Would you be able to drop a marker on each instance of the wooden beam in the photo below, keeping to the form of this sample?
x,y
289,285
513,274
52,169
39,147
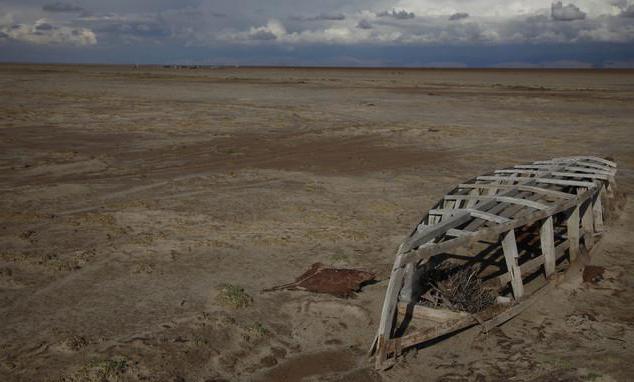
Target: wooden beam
x,y
572,225
473,212
509,246
387,313
560,182
603,161
521,187
597,210
580,176
531,266
458,232
434,314
428,251
587,222
577,163
502,199
547,239
591,170
423,236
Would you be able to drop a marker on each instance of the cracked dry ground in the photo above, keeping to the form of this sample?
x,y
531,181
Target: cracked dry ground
x,y
142,213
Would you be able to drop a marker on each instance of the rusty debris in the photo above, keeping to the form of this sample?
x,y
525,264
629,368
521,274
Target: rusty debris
x,y
335,281
593,274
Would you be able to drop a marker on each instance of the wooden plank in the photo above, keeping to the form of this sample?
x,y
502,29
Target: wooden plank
x,y
560,182
580,176
424,335
591,170
502,199
434,314
423,236
586,174
547,240
597,211
509,246
531,266
458,232
587,223
488,232
546,167
488,217
578,163
471,203
387,313
603,161
572,225
519,171
521,187
515,309
473,212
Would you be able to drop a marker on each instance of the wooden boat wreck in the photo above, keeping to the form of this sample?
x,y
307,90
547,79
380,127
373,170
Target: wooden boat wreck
x,y
509,233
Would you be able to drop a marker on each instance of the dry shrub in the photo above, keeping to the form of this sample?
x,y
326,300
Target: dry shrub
x,y
461,290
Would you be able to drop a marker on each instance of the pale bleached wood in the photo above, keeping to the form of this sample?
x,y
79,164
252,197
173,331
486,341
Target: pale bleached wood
x,y
433,314
521,187
423,236
431,238
472,202
580,176
547,240
597,210
492,231
458,232
587,223
603,161
591,175
500,198
387,313
546,167
509,246
577,163
531,266
572,225
473,212
560,182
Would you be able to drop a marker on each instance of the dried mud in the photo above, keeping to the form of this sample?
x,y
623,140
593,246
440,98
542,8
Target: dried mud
x,y
128,196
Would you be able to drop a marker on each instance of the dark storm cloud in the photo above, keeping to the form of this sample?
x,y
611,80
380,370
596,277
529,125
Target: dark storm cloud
x,y
134,28
397,14
61,7
627,12
458,16
568,12
321,17
364,24
44,27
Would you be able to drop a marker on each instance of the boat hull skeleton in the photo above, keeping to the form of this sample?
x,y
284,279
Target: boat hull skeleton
x,y
519,226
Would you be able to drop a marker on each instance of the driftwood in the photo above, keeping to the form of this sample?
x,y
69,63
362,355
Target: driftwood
x,y
521,226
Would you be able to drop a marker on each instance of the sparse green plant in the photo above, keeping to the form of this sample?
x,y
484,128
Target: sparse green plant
x,y
592,376
102,370
233,296
340,258
255,331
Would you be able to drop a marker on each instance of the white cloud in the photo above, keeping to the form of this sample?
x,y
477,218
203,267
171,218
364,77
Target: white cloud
x,y
44,32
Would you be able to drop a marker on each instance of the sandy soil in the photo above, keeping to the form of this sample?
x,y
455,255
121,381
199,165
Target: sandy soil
x,y
130,198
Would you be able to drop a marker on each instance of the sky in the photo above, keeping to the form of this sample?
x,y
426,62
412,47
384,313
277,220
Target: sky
x,y
412,33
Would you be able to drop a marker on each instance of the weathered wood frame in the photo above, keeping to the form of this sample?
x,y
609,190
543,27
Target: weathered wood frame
x,y
570,189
